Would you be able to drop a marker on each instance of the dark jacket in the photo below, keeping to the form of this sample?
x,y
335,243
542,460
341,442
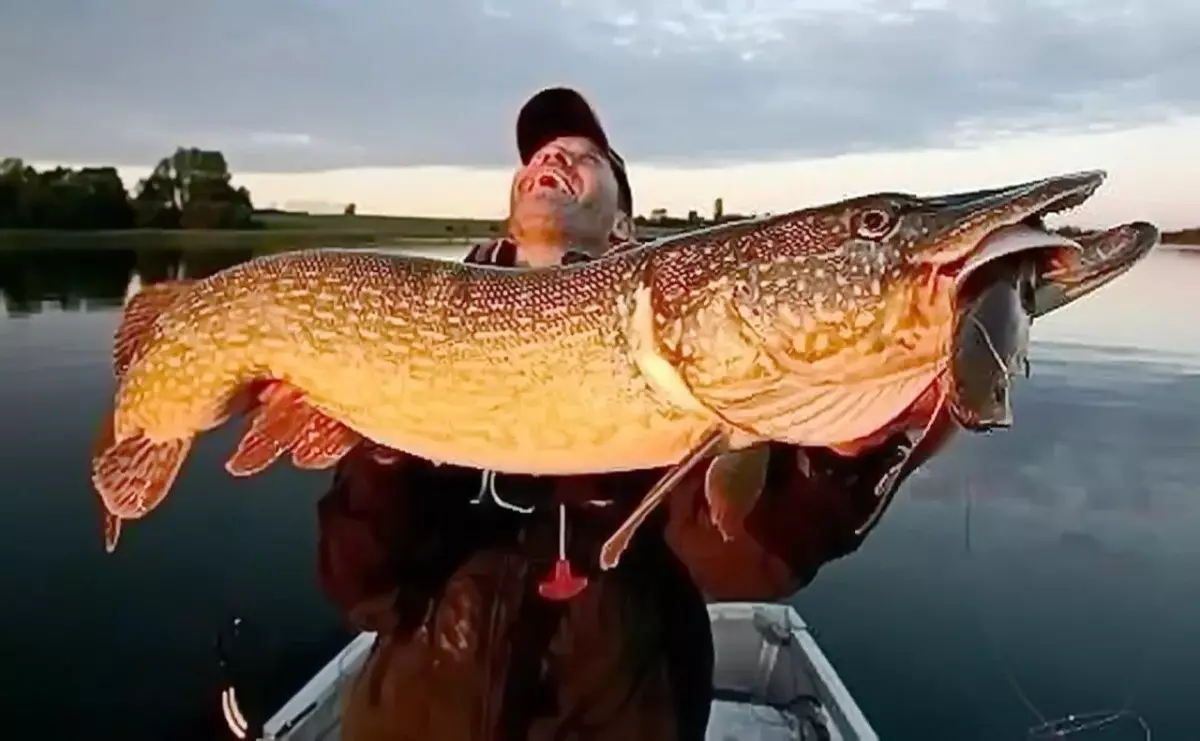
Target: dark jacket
x,y
467,649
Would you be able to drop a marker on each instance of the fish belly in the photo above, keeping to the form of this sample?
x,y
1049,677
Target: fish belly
x,y
566,409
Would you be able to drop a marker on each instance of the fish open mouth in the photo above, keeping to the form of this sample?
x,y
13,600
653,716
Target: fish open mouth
x,y
961,232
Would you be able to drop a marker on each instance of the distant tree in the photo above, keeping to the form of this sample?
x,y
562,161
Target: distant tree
x,y
350,209
62,198
14,180
191,189
103,202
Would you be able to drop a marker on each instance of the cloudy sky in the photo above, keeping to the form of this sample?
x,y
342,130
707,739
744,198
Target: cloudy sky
x,y
408,105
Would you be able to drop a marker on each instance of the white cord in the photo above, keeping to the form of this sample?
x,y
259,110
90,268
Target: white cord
x,y
487,487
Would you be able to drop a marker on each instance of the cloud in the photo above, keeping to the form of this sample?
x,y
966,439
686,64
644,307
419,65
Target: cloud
x,y
284,85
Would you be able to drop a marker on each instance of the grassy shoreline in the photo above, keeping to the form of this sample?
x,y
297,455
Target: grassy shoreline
x,y
215,239
280,230
274,229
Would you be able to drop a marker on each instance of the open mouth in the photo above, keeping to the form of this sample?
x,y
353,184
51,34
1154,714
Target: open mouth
x,y
550,179
967,230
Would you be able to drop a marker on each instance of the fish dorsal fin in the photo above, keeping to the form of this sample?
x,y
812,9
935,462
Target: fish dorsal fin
x,y
141,310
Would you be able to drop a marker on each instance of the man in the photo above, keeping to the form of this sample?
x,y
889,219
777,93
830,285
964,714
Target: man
x,y
470,646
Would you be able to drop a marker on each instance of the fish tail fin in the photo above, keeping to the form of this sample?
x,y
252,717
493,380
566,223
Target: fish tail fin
x,y
284,421
137,321
132,476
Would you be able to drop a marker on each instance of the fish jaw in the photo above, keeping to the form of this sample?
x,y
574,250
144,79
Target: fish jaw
x,y
1065,276
944,230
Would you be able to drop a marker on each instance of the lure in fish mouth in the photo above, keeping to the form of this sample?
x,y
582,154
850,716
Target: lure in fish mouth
x,y
1001,300
998,303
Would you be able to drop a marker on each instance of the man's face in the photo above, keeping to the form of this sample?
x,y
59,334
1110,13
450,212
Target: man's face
x,y
565,198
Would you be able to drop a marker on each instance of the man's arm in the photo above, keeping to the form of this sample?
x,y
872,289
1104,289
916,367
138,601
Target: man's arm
x,y
359,521
809,514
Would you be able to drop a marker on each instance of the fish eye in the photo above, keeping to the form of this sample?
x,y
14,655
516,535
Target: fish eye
x,y
874,223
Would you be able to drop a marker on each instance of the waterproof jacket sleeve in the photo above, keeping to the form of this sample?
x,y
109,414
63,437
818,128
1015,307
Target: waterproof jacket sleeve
x,y
809,514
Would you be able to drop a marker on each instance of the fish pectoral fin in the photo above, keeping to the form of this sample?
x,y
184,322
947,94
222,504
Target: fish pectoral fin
x,y
712,443
283,421
137,320
323,442
133,476
732,486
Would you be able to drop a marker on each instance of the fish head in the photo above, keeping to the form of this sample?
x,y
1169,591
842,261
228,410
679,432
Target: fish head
x,y
881,268
565,197
1102,256
857,300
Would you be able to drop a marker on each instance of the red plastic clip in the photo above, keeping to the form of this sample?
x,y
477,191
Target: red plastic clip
x,y
561,583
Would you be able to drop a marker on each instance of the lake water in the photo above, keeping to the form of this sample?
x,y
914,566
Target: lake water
x,y
1081,586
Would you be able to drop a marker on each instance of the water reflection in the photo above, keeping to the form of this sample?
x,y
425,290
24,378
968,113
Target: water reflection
x,y
86,279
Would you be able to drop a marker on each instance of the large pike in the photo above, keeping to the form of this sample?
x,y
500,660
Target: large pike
x,y
817,327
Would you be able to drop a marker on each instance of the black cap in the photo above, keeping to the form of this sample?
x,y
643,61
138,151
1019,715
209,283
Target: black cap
x,y
559,111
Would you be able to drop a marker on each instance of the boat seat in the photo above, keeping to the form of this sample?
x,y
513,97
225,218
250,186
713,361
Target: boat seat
x,y
760,688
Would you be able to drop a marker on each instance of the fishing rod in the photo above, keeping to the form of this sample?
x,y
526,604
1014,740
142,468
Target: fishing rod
x,y
1070,724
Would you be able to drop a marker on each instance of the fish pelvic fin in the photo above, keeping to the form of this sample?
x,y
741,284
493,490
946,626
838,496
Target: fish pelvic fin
x,y
137,321
132,477
732,486
713,442
284,421
323,442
